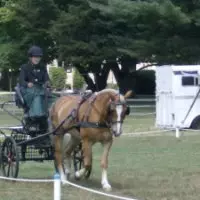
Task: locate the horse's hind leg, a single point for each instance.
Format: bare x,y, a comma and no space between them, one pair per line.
87,154
58,156
104,165
70,141
67,150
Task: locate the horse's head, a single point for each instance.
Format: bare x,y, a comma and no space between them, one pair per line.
117,111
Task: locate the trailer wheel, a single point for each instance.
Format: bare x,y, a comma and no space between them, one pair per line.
9,158
195,123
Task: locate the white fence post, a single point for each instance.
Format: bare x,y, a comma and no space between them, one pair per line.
177,132
57,187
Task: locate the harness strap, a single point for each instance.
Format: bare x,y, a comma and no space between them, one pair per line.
80,102
92,125
91,101
72,116
84,122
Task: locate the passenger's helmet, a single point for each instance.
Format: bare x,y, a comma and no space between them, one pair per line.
35,51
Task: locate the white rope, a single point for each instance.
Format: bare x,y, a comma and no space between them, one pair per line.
191,130
27,180
142,106
98,192
72,184
157,131
142,114
145,132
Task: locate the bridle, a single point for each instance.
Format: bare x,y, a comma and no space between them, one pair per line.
113,106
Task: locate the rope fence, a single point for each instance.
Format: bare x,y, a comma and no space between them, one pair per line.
57,186
57,182
135,134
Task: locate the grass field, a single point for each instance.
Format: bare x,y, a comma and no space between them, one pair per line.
156,167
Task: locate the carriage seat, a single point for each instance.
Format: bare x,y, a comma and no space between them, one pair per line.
19,101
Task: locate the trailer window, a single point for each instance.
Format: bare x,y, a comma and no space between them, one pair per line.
189,81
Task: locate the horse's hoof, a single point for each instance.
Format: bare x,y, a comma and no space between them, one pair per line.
107,187
64,181
77,175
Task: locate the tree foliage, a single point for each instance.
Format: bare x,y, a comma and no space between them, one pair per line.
86,33
25,23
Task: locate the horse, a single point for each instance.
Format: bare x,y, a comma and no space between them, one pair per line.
94,119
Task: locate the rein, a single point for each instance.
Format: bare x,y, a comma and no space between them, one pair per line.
73,116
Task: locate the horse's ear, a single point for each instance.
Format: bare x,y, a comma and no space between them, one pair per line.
128,94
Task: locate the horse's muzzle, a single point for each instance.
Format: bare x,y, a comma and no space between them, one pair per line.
116,134
114,131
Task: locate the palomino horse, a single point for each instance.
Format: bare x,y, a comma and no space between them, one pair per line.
98,118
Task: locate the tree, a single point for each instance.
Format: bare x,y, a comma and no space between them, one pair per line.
23,24
93,34
89,42
133,31
26,23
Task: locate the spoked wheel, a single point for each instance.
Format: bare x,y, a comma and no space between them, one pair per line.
9,158
78,161
55,166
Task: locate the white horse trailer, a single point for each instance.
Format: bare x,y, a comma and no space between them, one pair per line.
177,96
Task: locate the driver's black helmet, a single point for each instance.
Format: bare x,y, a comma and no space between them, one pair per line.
35,51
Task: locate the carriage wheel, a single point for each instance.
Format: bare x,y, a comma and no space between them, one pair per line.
78,161
55,166
9,158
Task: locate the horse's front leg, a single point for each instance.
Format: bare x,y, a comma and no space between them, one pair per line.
87,154
104,165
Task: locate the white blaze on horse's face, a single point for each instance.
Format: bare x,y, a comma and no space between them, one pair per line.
117,125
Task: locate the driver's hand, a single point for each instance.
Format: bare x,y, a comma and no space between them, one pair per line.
47,84
30,85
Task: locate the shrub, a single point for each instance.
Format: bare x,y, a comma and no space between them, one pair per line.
78,80
58,77
113,86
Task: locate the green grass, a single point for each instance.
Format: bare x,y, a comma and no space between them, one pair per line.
159,167
131,124
150,168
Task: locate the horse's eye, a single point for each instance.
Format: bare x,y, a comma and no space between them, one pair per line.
112,107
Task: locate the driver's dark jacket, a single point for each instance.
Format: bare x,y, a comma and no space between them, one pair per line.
36,74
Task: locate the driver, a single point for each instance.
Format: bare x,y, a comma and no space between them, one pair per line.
33,77
33,72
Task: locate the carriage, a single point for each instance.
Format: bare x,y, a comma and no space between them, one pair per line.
30,141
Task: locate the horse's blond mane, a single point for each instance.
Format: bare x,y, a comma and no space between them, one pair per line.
111,90
107,90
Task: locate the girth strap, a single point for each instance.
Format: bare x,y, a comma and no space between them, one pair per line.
92,125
